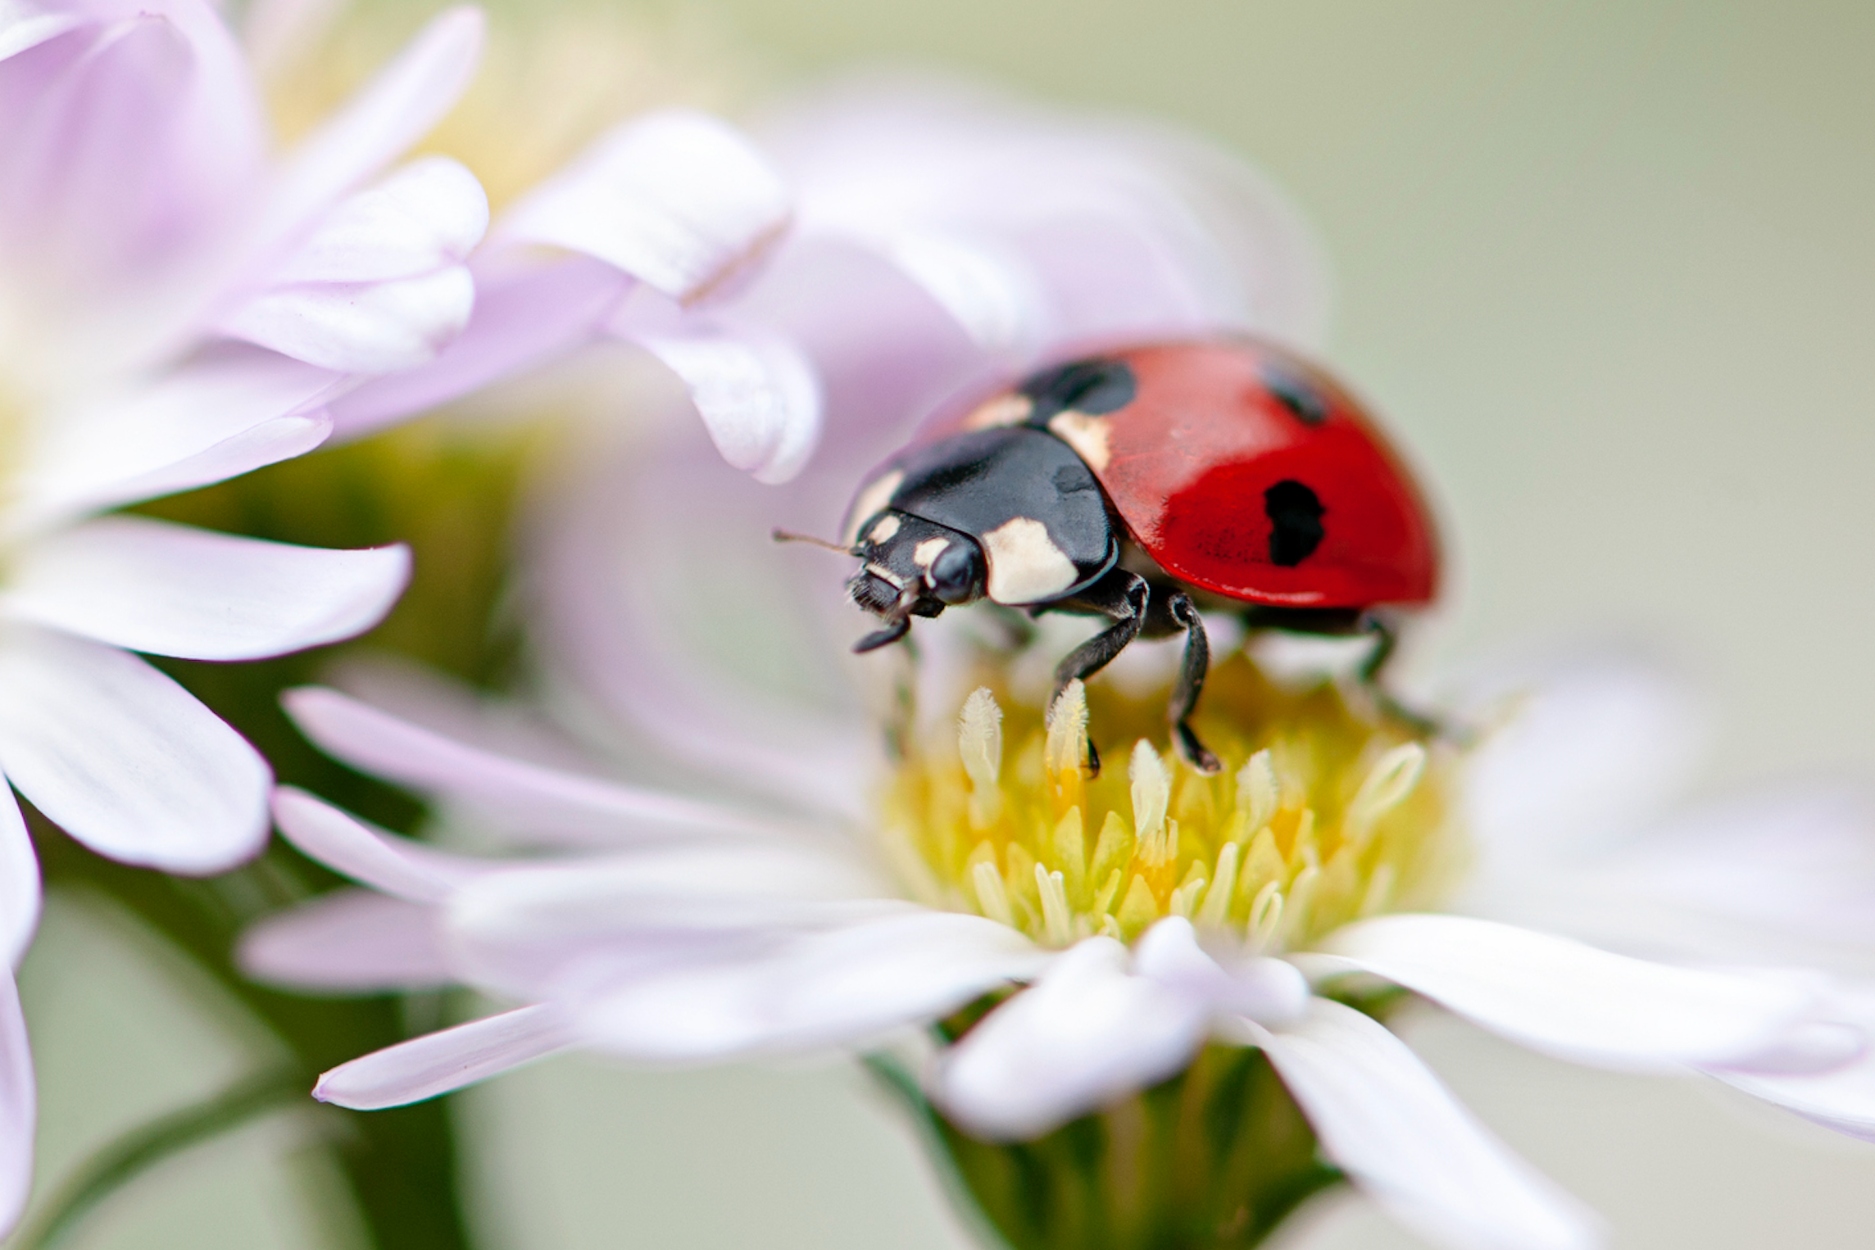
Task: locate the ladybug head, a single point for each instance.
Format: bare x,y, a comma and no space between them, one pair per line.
912,567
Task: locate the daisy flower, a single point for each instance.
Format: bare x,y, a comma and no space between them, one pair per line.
980,236
179,304
1156,999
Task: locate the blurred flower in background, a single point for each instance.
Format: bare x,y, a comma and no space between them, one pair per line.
176,307
179,307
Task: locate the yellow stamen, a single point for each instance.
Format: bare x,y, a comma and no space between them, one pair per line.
1325,813
980,744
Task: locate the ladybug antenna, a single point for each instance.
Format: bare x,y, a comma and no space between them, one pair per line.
789,536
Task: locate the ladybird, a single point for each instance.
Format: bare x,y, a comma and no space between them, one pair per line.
1140,486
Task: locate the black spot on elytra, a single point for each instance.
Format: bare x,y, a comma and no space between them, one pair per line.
1295,522
1091,386
1304,402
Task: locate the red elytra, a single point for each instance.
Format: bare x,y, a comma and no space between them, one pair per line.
1187,464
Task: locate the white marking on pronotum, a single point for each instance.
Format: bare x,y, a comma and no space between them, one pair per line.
1025,564
1087,435
874,496
925,554
1011,409
883,531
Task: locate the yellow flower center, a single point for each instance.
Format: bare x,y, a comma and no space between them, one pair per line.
1325,812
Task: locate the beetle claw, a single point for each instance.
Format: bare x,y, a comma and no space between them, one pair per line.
1194,752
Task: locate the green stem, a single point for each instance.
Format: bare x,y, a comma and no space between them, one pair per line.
1216,1158
903,1088
399,1165
147,1145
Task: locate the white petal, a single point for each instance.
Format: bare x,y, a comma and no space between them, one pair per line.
427,1066
398,866
1787,875
1592,751
1088,1032
24,25
847,987
528,930
521,320
426,216
373,327
347,942
1570,1000
225,413
173,590
1843,1100
124,759
18,1107
1267,990
677,199
1385,1119
397,108
19,882
758,397
266,443
364,737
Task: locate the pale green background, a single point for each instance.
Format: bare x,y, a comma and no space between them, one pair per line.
1610,267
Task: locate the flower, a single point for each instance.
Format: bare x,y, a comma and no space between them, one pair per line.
977,235
176,308
723,934
1073,940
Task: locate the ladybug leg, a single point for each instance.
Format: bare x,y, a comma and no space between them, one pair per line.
1121,595
883,637
1191,676
1373,669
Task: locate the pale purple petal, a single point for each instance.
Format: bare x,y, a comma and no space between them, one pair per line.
124,759
886,351
173,590
224,413
398,866
758,397
347,942
1589,751
18,1107
427,1066
1088,1032
619,648
1382,1117
19,882
1041,230
371,327
25,25
130,160
366,738
426,216
843,988
523,318
677,199
398,107
1567,999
